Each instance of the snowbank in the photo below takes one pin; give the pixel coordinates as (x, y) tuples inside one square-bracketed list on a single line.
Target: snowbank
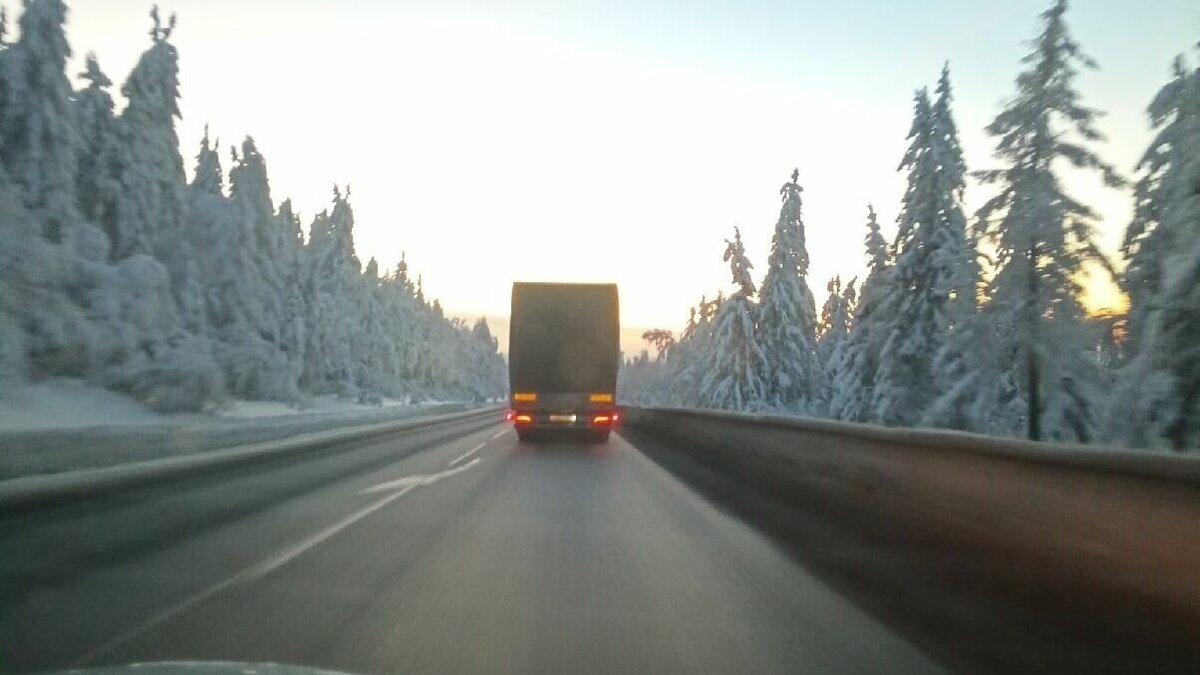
[(63, 424), (64, 403)]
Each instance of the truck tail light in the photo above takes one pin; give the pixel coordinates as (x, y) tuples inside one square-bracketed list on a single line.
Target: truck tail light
[(600, 420), (524, 419)]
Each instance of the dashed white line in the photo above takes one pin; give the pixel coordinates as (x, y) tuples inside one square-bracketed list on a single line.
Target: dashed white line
[(467, 454), (505, 431)]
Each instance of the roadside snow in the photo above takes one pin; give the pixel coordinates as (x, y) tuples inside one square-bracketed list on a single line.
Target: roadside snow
[(67, 403), (64, 403), (320, 404)]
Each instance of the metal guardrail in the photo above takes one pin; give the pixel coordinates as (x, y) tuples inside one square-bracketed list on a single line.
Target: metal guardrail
[(1124, 461), (29, 491)]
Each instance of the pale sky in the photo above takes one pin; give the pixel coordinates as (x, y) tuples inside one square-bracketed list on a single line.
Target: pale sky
[(617, 141)]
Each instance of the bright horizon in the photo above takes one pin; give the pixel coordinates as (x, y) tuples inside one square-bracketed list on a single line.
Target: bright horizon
[(617, 143)]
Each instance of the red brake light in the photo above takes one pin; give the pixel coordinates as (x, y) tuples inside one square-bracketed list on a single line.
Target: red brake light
[(615, 417), (508, 416), (601, 419)]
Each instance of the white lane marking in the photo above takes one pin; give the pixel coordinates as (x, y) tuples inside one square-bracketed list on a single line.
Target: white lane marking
[(265, 567), (419, 480), (467, 454), (505, 431)]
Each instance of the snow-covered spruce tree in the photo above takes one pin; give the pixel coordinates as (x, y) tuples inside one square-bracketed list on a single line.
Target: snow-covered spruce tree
[(39, 131), (963, 366), (333, 271), (487, 366), (787, 322), (265, 241), (934, 280), (687, 359), (152, 208), (98, 171), (1043, 238), (835, 321), (852, 373), (292, 264), (736, 361), (1160, 401), (237, 317), (38, 150)]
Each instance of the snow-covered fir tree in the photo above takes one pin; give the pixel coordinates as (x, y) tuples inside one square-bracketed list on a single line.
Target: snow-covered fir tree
[(852, 373), (152, 208), (836, 315), (1043, 238), (787, 323), (687, 359), (332, 273), (736, 361), (39, 131), (934, 280), (39, 151), (98, 178), (1160, 402)]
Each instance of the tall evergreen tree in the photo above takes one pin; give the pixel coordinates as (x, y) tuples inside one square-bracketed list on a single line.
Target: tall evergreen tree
[(853, 372), (736, 361), (836, 316), (1043, 238), (98, 174), (934, 286), (266, 240), (152, 208), (787, 315), (39, 149), (688, 358), (333, 274), (1163, 276), (39, 132)]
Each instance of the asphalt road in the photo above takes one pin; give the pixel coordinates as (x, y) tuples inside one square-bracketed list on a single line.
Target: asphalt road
[(453, 550)]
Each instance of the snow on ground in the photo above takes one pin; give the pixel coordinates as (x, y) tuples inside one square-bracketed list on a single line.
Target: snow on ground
[(64, 403), (67, 403), (66, 424), (319, 404)]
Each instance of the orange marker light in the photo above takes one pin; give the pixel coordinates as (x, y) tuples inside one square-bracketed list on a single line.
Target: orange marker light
[(524, 419), (601, 419), (525, 396), (601, 398)]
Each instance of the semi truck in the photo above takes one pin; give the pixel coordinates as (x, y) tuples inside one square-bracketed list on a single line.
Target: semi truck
[(563, 355)]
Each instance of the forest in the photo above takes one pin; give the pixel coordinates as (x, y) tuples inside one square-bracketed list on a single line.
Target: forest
[(975, 321), (119, 271)]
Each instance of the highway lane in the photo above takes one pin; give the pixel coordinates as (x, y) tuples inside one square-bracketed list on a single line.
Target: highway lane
[(452, 550)]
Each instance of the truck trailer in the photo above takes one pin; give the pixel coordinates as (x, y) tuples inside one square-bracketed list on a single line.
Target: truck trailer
[(563, 356)]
